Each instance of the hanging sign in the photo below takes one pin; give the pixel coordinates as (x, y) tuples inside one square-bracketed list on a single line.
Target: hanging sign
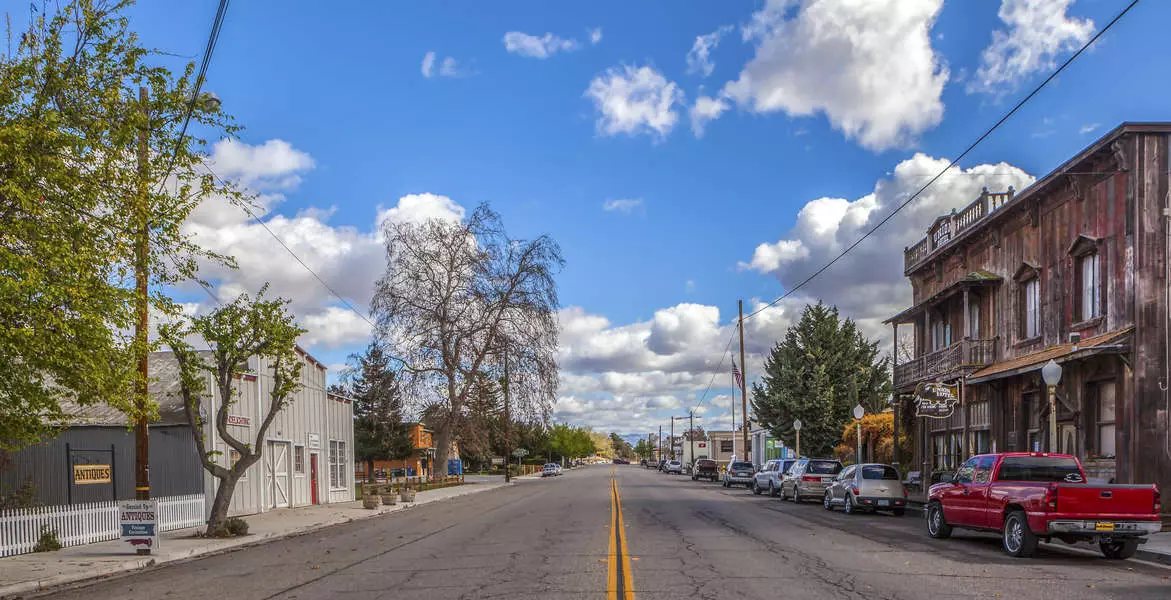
[(936, 400), (89, 474), (139, 523), (314, 441)]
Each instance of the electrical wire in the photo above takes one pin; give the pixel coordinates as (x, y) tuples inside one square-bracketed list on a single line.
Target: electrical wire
[(953, 163)]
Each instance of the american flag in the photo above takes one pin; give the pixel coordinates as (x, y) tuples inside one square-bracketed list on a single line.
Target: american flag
[(737, 374)]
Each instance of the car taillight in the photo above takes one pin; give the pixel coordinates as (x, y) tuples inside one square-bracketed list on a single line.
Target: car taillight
[(1158, 500), (1051, 498), (854, 490), (809, 478)]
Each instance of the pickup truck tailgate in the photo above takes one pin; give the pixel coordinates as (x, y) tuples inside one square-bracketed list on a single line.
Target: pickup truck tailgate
[(1107, 501)]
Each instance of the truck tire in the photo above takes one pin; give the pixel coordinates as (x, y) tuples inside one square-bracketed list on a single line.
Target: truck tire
[(1118, 549), (937, 526), (1017, 539)]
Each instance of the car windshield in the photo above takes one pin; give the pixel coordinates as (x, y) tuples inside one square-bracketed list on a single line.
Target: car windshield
[(1039, 468), (880, 472), (823, 467), (740, 466)]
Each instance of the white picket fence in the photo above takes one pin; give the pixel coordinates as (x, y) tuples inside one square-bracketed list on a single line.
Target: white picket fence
[(88, 523)]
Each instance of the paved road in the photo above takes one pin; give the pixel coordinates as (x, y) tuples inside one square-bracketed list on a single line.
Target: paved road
[(552, 538)]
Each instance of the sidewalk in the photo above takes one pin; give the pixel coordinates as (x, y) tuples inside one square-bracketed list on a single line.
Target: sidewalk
[(28, 573)]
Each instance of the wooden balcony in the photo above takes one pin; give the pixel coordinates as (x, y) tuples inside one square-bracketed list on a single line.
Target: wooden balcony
[(963, 356), (948, 227)]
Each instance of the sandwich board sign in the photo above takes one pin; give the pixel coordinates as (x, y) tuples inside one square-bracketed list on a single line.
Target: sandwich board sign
[(139, 523)]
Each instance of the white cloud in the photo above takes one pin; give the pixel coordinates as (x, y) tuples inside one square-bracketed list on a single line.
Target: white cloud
[(868, 66), (689, 286), (428, 64), (869, 286), (699, 57), (706, 109), (623, 205), (595, 36), (450, 68), (333, 327), (634, 100), (275, 164), (421, 207), (532, 46), (1089, 128), (1038, 31)]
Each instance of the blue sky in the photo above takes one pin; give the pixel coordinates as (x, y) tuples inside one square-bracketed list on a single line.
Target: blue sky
[(826, 117)]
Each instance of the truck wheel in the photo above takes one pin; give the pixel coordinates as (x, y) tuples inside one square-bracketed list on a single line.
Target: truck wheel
[(1018, 539), (1118, 550), (937, 527)]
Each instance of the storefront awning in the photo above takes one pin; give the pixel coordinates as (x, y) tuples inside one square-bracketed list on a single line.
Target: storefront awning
[(1112, 342)]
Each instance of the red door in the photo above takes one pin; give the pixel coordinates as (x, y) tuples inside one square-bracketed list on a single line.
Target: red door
[(313, 478), (957, 504)]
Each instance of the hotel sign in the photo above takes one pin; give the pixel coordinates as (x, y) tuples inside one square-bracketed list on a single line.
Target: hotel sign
[(936, 400), (238, 420), (90, 474)]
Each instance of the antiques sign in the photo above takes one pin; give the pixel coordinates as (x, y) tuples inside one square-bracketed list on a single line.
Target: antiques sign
[(936, 400), (138, 520), (89, 474)]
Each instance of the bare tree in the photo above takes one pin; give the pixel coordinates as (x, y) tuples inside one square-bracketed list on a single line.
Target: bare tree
[(456, 298)]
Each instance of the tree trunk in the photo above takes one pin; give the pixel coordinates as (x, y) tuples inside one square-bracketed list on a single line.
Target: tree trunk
[(369, 470), (442, 447), (223, 501)]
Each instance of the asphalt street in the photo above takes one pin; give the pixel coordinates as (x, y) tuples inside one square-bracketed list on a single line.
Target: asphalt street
[(648, 536)]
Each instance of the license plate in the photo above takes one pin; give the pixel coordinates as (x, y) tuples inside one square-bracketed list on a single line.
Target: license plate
[(742, 474), (884, 502), (1104, 527)]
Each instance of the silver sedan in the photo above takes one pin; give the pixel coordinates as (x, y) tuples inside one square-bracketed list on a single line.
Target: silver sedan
[(871, 487)]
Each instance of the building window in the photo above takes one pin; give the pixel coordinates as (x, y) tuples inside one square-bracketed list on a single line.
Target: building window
[(982, 441), (1103, 393), (973, 331), (725, 445), (337, 464), (1030, 317), (940, 333), (299, 460), (1091, 285)]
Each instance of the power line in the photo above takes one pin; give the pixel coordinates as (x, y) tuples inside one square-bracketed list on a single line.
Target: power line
[(716, 372), (953, 163)]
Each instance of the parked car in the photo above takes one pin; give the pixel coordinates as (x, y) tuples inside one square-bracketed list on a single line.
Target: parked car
[(621, 461), (642, 462), (1029, 497), (808, 478), (872, 487), (674, 466), (739, 473), (769, 477), (705, 468), (662, 464), (550, 470)]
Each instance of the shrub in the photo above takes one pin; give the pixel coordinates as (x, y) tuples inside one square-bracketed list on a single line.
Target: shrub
[(48, 541), (237, 526)]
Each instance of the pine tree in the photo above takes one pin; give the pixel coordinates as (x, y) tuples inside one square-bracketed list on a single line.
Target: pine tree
[(822, 368), (379, 430)]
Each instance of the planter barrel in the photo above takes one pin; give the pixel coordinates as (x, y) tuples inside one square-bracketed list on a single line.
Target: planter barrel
[(408, 495), (370, 502)]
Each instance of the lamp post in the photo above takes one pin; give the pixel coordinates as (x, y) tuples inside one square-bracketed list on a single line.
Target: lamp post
[(797, 428), (858, 413), (1051, 373)]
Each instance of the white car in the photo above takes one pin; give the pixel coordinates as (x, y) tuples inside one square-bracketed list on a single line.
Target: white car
[(673, 466), (551, 470)]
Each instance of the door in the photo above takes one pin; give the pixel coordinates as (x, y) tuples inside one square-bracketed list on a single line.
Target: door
[(278, 473), (313, 478), (977, 497), (841, 483), (956, 508)]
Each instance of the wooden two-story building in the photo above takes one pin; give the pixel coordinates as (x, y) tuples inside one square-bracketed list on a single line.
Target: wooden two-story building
[(1073, 269)]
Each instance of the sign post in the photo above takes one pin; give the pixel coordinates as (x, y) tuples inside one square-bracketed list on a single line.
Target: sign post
[(797, 428), (138, 521)]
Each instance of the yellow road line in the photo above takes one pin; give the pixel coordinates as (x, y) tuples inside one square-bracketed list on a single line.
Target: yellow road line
[(619, 578)]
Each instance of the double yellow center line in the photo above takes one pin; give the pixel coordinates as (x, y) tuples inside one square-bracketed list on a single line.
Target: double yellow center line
[(619, 580)]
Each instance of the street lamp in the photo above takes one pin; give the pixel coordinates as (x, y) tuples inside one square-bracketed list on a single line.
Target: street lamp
[(1051, 373), (797, 428), (858, 413)]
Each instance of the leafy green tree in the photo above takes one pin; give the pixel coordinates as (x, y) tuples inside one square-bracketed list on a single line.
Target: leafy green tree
[(822, 368), (75, 194), (622, 448), (238, 331), (379, 430)]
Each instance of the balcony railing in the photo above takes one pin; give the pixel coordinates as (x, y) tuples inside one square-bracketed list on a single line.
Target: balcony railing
[(948, 227), (964, 355)]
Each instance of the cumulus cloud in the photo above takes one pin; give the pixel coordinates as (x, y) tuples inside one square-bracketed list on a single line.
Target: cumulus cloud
[(521, 43), (868, 66), (706, 109), (595, 36), (428, 64), (1038, 31), (448, 67), (699, 57), (623, 205), (870, 285), (635, 100), (275, 164)]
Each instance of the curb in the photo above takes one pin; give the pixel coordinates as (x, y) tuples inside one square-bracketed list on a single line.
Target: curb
[(111, 570)]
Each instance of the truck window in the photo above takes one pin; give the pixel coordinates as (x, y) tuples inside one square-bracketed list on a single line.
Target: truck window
[(984, 469), (1039, 468), (966, 471)]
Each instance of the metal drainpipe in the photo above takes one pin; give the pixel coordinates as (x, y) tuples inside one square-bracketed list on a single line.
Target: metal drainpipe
[(1165, 385)]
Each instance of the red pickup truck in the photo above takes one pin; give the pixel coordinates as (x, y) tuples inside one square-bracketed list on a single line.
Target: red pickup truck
[(1032, 496)]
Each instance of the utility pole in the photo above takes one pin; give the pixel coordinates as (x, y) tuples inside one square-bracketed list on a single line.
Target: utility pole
[(672, 438), (691, 437), (141, 308), (743, 380), (660, 457), (507, 427)]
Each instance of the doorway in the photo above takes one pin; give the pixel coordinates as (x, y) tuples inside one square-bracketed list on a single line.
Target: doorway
[(278, 473), (313, 478)]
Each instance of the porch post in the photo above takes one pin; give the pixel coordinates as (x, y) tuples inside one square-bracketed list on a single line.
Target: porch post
[(967, 334)]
